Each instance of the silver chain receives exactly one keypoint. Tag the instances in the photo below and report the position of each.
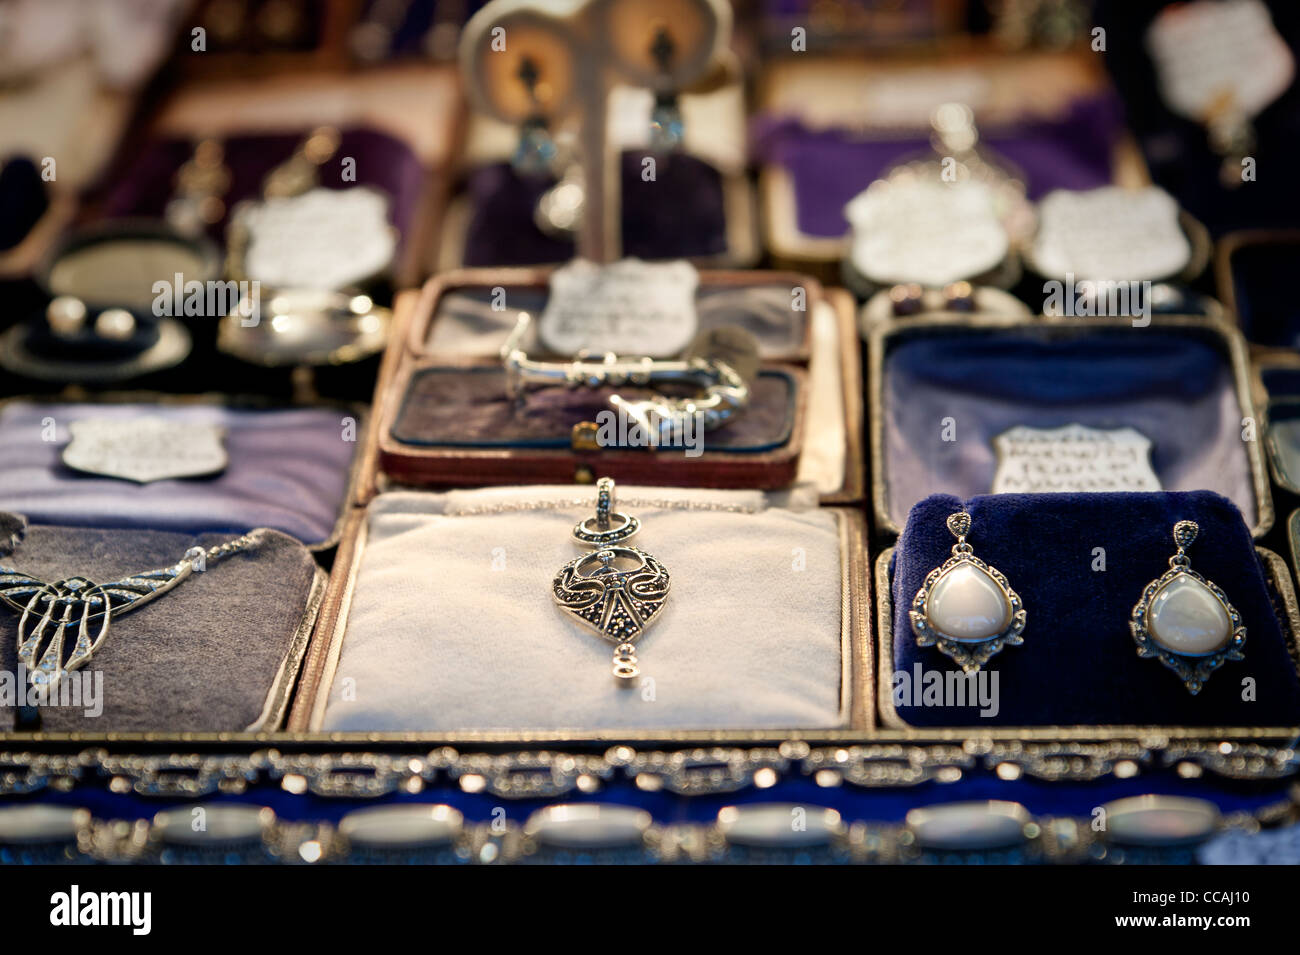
(219, 551)
(637, 503)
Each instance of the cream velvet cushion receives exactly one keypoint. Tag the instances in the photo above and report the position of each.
(451, 624)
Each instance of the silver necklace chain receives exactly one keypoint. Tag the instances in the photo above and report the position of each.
(632, 503)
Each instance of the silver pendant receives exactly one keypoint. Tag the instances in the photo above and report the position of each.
(616, 590)
(966, 608)
(1185, 620)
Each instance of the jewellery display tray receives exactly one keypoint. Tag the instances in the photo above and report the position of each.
(817, 147)
(699, 205)
(1182, 381)
(439, 354)
(219, 653)
(489, 660)
(289, 467)
(400, 125)
(1078, 666)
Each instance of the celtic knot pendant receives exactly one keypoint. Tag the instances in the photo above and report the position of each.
(615, 590)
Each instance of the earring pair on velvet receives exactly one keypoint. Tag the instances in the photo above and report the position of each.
(967, 610)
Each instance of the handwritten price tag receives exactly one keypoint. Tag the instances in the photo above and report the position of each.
(932, 233)
(145, 449)
(1071, 459)
(629, 308)
(1206, 51)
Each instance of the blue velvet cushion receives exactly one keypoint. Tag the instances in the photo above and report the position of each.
(1175, 385)
(1078, 663)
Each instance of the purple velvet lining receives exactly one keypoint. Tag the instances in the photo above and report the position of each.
(382, 161)
(829, 167)
(469, 408)
(1173, 385)
(682, 214)
(288, 470)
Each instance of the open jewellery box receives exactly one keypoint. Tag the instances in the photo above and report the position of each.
(1080, 563)
(440, 621)
(699, 206)
(829, 126)
(294, 468)
(1252, 271)
(398, 125)
(445, 419)
(154, 476)
(947, 387)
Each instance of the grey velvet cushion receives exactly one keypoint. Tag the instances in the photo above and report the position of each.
(204, 657)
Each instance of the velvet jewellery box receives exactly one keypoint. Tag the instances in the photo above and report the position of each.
(699, 204)
(221, 652)
(827, 127)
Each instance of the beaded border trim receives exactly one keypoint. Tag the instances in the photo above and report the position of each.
(698, 771)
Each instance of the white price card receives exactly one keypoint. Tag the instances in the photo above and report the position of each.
(145, 449)
(931, 233)
(1073, 458)
(1213, 53)
(629, 307)
(322, 239)
(1111, 233)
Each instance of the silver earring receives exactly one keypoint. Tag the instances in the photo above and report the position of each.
(1186, 620)
(667, 127)
(536, 150)
(615, 590)
(966, 608)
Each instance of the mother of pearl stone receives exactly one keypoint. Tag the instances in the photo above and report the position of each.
(1185, 617)
(967, 604)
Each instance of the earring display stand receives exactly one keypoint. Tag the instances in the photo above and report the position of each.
(524, 64)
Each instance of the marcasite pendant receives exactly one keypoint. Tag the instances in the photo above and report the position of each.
(615, 590)
(966, 608)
